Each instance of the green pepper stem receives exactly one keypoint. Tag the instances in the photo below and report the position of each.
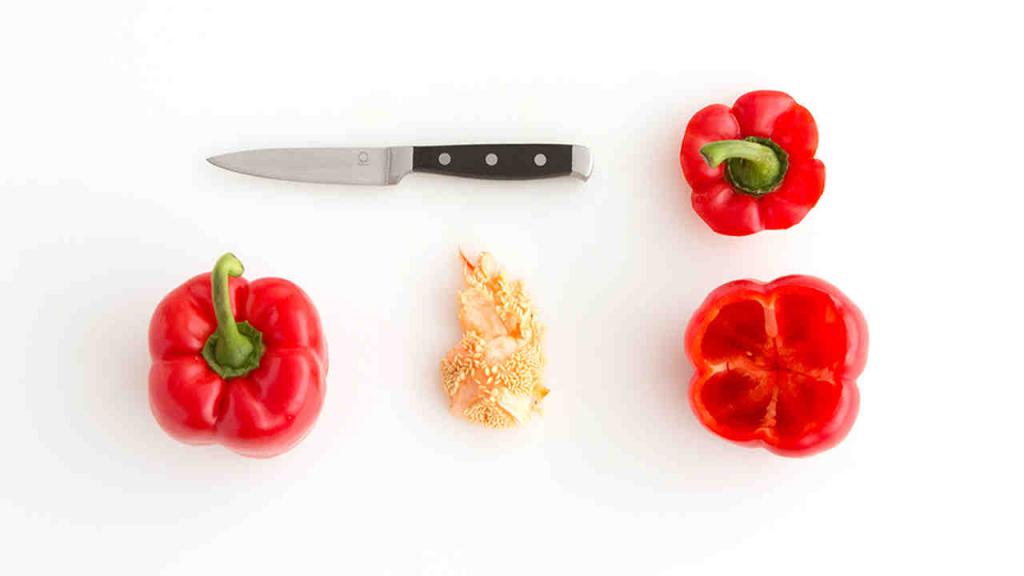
(717, 152)
(754, 165)
(232, 348)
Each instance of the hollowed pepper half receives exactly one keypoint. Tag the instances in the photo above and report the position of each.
(777, 363)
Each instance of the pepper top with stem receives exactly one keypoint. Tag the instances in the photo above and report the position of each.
(235, 348)
(752, 166)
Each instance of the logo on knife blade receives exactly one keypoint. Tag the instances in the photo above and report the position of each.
(364, 159)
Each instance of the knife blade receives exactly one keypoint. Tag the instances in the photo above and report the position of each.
(387, 166)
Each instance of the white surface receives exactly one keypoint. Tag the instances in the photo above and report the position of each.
(109, 110)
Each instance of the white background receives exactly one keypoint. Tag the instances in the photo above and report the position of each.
(109, 109)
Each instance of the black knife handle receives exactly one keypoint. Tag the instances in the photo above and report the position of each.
(497, 161)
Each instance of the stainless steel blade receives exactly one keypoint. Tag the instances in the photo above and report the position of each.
(371, 166)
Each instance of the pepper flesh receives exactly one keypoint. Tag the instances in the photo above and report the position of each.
(777, 363)
(719, 195)
(266, 410)
(494, 375)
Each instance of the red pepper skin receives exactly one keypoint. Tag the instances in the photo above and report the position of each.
(764, 114)
(261, 414)
(777, 363)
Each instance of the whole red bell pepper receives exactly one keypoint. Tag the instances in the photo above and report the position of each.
(777, 363)
(752, 167)
(237, 363)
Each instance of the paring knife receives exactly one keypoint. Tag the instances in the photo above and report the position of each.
(388, 165)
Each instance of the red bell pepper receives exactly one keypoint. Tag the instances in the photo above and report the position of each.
(752, 167)
(777, 363)
(237, 363)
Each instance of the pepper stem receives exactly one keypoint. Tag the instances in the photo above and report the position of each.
(753, 165)
(234, 349)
